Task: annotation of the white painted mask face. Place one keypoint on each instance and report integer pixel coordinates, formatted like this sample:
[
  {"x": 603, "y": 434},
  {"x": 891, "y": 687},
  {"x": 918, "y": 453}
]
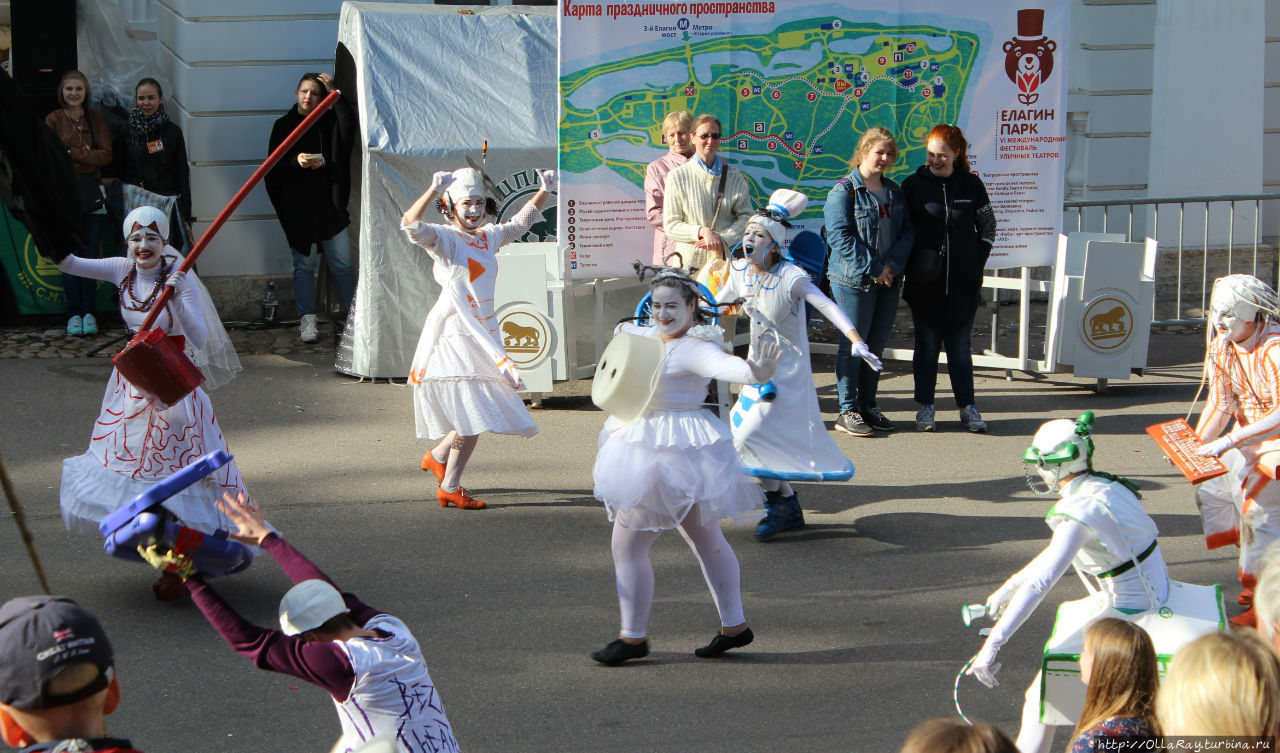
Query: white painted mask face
[
  {"x": 756, "y": 243},
  {"x": 1233, "y": 319},
  {"x": 145, "y": 246},
  {"x": 469, "y": 212},
  {"x": 671, "y": 312}
]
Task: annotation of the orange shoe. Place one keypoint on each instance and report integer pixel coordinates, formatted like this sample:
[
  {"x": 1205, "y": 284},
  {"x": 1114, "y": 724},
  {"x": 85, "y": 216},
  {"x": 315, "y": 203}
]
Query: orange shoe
[
  {"x": 429, "y": 463},
  {"x": 1247, "y": 618},
  {"x": 460, "y": 498}
]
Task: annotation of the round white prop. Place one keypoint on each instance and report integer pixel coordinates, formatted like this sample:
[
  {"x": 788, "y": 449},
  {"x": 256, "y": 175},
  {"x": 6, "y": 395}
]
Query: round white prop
[{"x": 627, "y": 375}]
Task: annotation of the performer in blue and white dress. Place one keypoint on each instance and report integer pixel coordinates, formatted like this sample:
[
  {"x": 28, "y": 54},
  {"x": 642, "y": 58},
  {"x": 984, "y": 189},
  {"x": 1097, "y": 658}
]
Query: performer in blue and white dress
[
  {"x": 675, "y": 467},
  {"x": 777, "y": 426},
  {"x": 464, "y": 384}
]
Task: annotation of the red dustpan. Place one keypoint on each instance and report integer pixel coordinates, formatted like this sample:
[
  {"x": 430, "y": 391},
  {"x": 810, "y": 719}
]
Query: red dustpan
[{"x": 154, "y": 362}]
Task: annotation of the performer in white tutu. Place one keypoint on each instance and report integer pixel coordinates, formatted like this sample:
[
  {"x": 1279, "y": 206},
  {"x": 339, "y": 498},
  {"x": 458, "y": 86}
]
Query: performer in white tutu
[
  {"x": 135, "y": 443},
  {"x": 464, "y": 383},
  {"x": 1242, "y": 365},
  {"x": 777, "y": 426},
  {"x": 675, "y": 467},
  {"x": 1100, "y": 526}
]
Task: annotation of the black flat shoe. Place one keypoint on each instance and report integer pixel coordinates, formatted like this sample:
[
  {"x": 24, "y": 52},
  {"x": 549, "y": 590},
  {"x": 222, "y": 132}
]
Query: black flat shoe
[
  {"x": 721, "y": 643},
  {"x": 619, "y": 651}
]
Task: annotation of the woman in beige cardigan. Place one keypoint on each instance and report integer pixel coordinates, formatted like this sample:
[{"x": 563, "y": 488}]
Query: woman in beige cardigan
[{"x": 703, "y": 228}]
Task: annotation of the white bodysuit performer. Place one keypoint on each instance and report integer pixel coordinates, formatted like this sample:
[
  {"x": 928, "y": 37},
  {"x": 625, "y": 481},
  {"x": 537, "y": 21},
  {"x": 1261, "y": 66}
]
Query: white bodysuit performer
[
  {"x": 675, "y": 467},
  {"x": 1242, "y": 365},
  {"x": 464, "y": 383},
  {"x": 1099, "y": 526},
  {"x": 777, "y": 426},
  {"x": 135, "y": 443}
]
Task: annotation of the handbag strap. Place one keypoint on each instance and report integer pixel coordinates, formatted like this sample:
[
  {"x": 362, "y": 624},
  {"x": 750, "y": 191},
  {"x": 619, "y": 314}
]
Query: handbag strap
[{"x": 724, "y": 176}]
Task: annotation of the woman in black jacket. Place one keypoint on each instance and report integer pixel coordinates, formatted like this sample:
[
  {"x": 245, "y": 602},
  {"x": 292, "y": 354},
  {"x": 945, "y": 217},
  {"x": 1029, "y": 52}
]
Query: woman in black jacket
[
  {"x": 955, "y": 229},
  {"x": 152, "y": 154},
  {"x": 309, "y": 188}
]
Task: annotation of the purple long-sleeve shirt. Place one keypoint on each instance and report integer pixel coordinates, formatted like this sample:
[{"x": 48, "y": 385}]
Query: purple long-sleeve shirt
[{"x": 319, "y": 663}]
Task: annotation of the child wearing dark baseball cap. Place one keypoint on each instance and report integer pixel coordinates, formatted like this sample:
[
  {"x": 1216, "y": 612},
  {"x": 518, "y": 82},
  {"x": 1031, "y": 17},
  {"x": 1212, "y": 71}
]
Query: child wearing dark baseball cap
[{"x": 57, "y": 677}]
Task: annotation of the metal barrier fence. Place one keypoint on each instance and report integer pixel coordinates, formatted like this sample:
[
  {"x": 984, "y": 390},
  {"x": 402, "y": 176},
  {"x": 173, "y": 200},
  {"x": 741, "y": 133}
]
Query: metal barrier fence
[{"x": 1200, "y": 238}]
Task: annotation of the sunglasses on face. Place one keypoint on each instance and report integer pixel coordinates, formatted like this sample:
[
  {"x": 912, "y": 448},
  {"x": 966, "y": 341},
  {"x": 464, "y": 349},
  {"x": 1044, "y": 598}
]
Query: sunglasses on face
[{"x": 705, "y": 136}]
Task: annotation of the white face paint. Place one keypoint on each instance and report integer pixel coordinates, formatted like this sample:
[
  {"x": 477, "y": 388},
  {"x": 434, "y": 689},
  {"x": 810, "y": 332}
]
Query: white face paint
[
  {"x": 670, "y": 312},
  {"x": 758, "y": 241},
  {"x": 469, "y": 212},
  {"x": 145, "y": 246},
  {"x": 1226, "y": 320}
]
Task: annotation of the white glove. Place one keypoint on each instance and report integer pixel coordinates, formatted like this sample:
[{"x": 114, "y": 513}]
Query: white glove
[
  {"x": 984, "y": 667},
  {"x": 1216, "y": 447},
  {"x": 764, "y": 360},
  {"x": 177, "y": 281},
  {"x": 548, "y": 180},
  {"x": 860, "y": 350},
  {"x": 440, "y": 180},
  {"x": 1000, "y": 599}
]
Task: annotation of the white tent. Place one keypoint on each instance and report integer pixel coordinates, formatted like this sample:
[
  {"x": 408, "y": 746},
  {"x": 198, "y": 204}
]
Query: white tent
[{"x": 433, "y": 82}]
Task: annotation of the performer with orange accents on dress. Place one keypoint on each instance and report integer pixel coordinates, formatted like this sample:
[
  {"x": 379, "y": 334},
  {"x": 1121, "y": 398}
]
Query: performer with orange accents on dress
[
  {"x": 1242, "y": 366},
  {"x": 463, "y": 382}
]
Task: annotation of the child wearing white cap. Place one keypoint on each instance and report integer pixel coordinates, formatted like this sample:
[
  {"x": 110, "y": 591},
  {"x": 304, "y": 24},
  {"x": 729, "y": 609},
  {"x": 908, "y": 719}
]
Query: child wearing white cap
[
  {"x": 135, "y": 442},
  {"x": 464, "y": 383},
  {"x": 367, "y": 660},
  {"x": 777, "y": 426}
]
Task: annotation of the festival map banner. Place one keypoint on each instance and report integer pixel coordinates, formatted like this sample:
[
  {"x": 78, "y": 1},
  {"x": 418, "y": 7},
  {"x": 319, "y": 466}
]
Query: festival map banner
[{"x": 794, "y": 85}]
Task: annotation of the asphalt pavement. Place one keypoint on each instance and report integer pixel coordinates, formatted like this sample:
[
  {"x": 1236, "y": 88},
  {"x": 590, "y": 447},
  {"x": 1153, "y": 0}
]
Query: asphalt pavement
[{"x": 856, "y": 616}]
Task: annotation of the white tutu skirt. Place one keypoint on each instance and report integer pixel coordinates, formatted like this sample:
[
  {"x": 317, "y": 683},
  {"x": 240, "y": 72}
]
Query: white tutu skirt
[
  {"x": 134, "y": 445},
  {"x": 461, "y": 389},
  {"x": 653, "y": 472}
]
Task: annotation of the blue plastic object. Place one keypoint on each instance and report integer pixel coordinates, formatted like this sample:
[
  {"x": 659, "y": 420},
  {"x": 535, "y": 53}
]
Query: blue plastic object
[
  {"x": 143, "y": 523},
  {"x": 164, "y": 489},
  {"x": 809, "y": 252},
  {"x": 213, "y": 553}
]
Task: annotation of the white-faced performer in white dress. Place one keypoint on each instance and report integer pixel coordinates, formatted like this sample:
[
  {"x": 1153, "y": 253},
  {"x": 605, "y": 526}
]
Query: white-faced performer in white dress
[
  {"x": 777, "y": 426},
  {"x": 135, "y": 443},
  {"x": 675, "y": 467},
  {"x": 464, "y": 383}
]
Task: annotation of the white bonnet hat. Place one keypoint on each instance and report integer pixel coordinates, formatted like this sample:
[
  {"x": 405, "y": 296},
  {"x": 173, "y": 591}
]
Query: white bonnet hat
[
  {"x": 784, "y": 204},
  {"x": 466, "y": 182},
  {"x": 147, "y": 217}
]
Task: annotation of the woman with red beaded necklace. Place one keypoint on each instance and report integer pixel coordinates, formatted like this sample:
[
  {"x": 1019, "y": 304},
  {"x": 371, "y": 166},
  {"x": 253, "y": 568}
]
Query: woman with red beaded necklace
[{"x": 135, "y": 443}]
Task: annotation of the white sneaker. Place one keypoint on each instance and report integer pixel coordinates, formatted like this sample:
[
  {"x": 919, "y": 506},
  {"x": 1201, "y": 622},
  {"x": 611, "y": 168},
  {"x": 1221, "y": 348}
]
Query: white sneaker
[
  {"x": 972, "y": 420},
  {"x": 307, "y": 329}
]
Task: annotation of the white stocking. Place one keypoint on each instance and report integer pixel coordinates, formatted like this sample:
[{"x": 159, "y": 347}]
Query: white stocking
[
  {"x": 634, "y": 575},
  {"x": 770, "y": 484},
  {"x": 459, "y": 453},
  {"x": 784, "y": 487},
  {"x": 719, "y": 565},
  {"x": 1034, "y": 737}
]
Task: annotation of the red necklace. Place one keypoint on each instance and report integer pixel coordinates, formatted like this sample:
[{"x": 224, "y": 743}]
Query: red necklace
[{"x": 127, "y": 285}]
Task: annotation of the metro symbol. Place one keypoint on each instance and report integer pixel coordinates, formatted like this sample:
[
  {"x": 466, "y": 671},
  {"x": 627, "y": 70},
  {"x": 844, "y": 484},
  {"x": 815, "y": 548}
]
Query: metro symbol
[{"x": 841, "y": 85}]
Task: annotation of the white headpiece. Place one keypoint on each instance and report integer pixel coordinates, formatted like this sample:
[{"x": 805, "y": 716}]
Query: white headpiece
[
  {"x": 467, "y": 182},
  {"x": 1243, "y": 296},
  {"x": 784, "y": 204},
  {"x": 147, "y": 217}
]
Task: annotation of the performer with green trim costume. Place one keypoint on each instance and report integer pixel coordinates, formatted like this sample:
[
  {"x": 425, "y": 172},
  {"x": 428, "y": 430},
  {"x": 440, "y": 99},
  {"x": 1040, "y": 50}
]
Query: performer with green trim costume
[{"x": 1099, "y": 526}]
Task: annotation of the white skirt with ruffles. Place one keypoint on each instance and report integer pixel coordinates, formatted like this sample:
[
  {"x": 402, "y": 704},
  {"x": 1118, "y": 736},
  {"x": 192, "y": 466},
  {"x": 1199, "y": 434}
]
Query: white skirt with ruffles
[
  {"x": 462, "y": 390},
  {"x": 133, "y": 445},
  {"x": 653, "y": 472}
]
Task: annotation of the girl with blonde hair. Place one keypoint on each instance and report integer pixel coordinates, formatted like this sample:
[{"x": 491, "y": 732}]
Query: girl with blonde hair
[
  {"x": 1119, "y": 667},
  {"x": 1222, "y": 684}
]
